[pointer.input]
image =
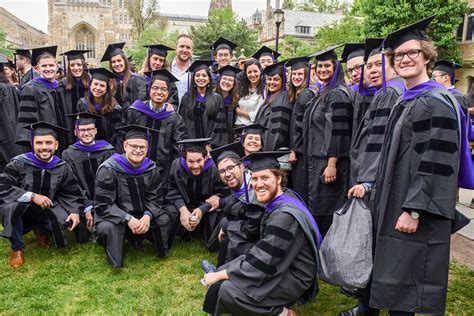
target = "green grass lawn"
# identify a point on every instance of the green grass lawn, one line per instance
(78, 280)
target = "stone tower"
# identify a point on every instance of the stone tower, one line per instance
(88, 24)
(219, 4)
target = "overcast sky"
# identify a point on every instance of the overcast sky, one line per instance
(35, 12)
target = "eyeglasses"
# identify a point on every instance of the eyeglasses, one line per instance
(229, 169)
(412, 54)
(157, 89)
(229, 80)
(434, 76)
(357, 68)
(85, 130)
(137, 147)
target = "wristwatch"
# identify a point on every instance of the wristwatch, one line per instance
(128, 217)
(415, 215)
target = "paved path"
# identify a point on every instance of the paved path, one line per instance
(465, 197)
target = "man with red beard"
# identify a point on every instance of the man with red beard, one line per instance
(280, 269)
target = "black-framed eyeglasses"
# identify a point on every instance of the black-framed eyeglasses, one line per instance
(412, 54)
(86, 130)
(229, 169)
(137, 147)
(357, 68)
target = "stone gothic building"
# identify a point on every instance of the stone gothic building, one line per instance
(88, 24)
(219, 4)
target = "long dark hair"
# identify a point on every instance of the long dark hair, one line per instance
(3, 78)
(339, 80)
(127, 73)
(244, 84)
(233, 92)
(294, 92)
(109, 100)
(71, 81)
(281, 74)
(210, 104)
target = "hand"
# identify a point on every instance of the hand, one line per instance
(292, 158)
(329, 174)
(42, 201)
(213, 277)
(169, 107)
(89, 219)
(134, 224)
(214, 201)
(221, 235)
(357, 191)
(144, 225)
(406, 223)
(184, 216)
(195, 218)
(74, 218)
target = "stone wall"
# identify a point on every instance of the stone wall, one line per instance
(20, 33)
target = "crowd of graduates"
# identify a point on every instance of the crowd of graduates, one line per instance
(255, 158)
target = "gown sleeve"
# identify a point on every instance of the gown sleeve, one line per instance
(337, 128)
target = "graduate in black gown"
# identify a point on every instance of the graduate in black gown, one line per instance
(416, 185)
(193, 179)
(156, 60)
(251, 137)
(85, 156)
(226, 87)
(327, 136)
(275, 113)
(41, 99)
(444, 72)
(300, 94)
(243, 212)
(129, 199)
(39, 191)
(156, 113)
(74, 84)
(129, 86)
(8, 116)
(222, 54)
(353, 56)
(266, 56)
(100, 100)
(23, 65)
(202, 109)
(281, 268)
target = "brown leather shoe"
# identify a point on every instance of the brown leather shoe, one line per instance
(43, 241)
(17, 259)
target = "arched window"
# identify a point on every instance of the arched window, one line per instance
(85, 40)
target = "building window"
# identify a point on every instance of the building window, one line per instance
(469, 29)
(303, 29)
(85, 40)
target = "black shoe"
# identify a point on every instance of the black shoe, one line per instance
(351, 292)
(356, 311)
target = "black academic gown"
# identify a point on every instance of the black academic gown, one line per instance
(9, 107)
(41, 103)
(109, 122)
(279, 270)
(326, 133)
(58, 184)
(367, 142)
(71, 98)
(418, 170)
(163, 149)
(200, 125)
(192, 191)
(27, 77)
(119, 194)
(302, 101)
(275, 114)
(136, 89)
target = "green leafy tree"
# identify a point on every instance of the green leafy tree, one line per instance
(143, 14)
(289, 4)
(347, 30)
(5, 47)
(384, 16)
(293, 47)
(324, 6)
(223, 22)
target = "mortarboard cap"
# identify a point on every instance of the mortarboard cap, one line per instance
(326, 54)
(298, 62)
(134, 131)
(161, 74)
(233, 150)
(102, 74)
(112, 50)
(158, 49)
(352, 50)
(266, 51)
(199, 65)
(223, 43)
(37, 52)
(446, 66)
(275, 69)
(229, 70)
(255, 129)
(84, 118)
(264, 160)
(21, 51)
(199, 142)
(75, 54)
(415, 31)
(373, 46)
(44, 129)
